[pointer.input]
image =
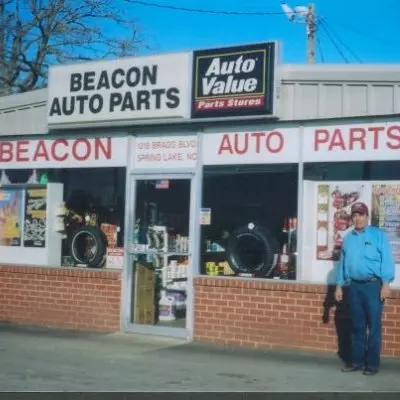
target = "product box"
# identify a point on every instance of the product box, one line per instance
(111, 232)
(144, 295)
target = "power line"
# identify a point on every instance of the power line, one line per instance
(198, 10)
(341, 41)
(333, 41)
(320, 50)
(383, 41)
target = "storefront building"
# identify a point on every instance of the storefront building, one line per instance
(223, 180)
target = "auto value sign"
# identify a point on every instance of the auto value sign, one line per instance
(234, 81)
(127, 89)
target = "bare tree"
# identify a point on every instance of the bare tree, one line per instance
(37, 33)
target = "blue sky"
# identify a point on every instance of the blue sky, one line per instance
(368, 29)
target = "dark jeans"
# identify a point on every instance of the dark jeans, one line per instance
(366, 312)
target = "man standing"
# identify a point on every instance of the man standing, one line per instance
(366, 267)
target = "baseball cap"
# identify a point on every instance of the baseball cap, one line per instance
(360, 208)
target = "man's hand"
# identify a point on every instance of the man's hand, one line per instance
(339, 293)
(385, 291)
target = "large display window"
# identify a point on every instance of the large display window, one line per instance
(91, 216)
(160, 252)
(330, 189)
(249, 221)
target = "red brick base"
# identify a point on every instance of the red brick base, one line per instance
(265, 314)
(62, 298)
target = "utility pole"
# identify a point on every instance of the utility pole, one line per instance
(304, 15)
(310, 22)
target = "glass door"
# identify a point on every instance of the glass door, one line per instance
(160, 253)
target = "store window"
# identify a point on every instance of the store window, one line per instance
(249, 221)
(95, 207)
(338, 187)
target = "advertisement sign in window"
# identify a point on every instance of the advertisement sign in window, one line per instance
(386, 213)
(11, 215)
(35, 218)
(234, 81)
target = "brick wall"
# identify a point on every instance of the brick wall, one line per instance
(63, 298)
(270, 314)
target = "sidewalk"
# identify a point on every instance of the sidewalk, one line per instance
(34, 359)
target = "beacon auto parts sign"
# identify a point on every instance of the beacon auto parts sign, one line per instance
(234, 81)
(64, 153)
(137, 88)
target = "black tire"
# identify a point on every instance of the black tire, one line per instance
(97, 259)
(259, 245)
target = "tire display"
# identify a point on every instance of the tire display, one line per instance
(251, 250)
(88, 245)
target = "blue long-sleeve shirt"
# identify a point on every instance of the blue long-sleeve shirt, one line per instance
(364, 255)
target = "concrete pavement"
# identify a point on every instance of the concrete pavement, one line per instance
(37, 359)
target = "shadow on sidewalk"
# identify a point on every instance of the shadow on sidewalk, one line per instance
(342, 322)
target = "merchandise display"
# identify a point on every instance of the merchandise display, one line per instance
(245, 233)
(253, 252)
(87, 240)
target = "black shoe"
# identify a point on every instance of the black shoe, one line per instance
(369, 372)
(350, 368)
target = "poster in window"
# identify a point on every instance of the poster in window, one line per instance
(11, 215)
(35, 218)
(385, 214)
(333, 215)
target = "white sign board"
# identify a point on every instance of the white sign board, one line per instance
(172, 152)
(135, 88)
(64, 153)
(352, 142)
(256, 147)
(115, 258)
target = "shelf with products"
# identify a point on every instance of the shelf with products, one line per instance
(169, 254)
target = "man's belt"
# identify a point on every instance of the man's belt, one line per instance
(373, 279)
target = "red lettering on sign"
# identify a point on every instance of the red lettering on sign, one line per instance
(225, 145)
(255, 142)
(393, 134)
(6, 153)
(245, 147)
(275, 142)
(357, 138)
(321, 136)
(105, 149)
(56, 144)
(376, 130)
(85, 146)
(337, 140)
(60, 150)
(258, 136)
(22, 148)
(357, 135)
(41, 151)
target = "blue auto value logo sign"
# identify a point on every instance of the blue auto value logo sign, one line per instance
(234, 81)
